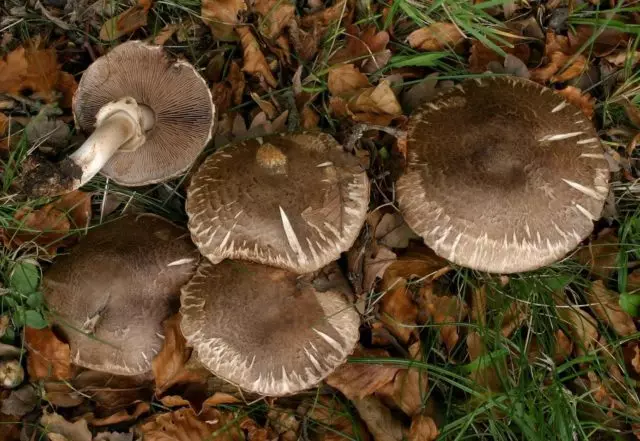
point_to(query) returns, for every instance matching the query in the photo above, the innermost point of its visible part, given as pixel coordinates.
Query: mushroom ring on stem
(150, 117)
(110, 295)
(503, 175)
(293, 201)
(268, 330)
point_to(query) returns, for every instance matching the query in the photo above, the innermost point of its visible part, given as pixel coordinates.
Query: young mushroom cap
(503, 175)
(148, 116)
(293, 201)
(110, 295)
(266, 330)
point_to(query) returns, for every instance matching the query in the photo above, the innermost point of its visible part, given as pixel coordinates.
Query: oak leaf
(435, 37)
(254, 62)
(346, 80)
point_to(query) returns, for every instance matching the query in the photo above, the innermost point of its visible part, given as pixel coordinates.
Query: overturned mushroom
(293, 201)
(150, 117)
(503, 175)
(110, 295)
(265, 329)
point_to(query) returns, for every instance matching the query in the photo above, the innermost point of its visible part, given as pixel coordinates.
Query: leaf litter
(338, 69)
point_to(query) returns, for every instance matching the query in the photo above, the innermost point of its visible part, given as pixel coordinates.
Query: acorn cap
(110, 295)
(293, 201)
(179, 101)
(265, 329)
(503, 175)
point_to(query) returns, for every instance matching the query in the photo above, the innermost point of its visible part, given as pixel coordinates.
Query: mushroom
(265, 329)
(293, 201)
(150, 116)
(503, 175)
(110, 295)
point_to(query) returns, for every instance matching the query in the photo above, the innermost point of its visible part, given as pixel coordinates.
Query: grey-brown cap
(294, 201)
(265, 329)
(110, 295)
(503, 175)
(177, 95)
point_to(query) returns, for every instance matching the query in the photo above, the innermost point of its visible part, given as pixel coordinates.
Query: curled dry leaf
(274, 16)
(582, 100)
(435, 37)
(48, 356)
(410, 385)
(222, 16)
(129, 21)
(604, 303)
(111, 391)
(358, 380)
(51, 225)
(445, 311)
(33, 68)
(601, 254)
(56, 424)
(375, 265)
(254, 62)
(580, 325)
(375, 105)
(482, 55)
(398, 311)
(122, 416)
(184, 425)
(423, 428)
(346, 80)
(363, 47)
(379, 420)
(326, 16)
(335, 421)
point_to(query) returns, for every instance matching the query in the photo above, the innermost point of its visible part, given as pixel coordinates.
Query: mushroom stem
(358, 130)
(120, 126)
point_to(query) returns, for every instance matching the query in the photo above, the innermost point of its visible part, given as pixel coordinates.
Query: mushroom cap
(175, 92)
(110, 295)
(265, 330)
(503, 175)
(293, 201)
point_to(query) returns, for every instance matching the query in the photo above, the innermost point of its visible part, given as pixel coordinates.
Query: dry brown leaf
(254, 62)
(56, 424)
(632, 111)
(601, 254)
(479, 305)
(445, 311)
(379, 420)
(129, 21)
(48, 357)
(310, 118)
(573, 70)
(358, 380)
(222, 95)
(61, 394)
(35, 69)
(435, 37)
(423, 428)
(398, 312)
(220, 398)
(335, 421)
(236, 79)
(485, 375)
(393, 232)
(165, 34)
(345, 80)
(169, 365)
(326, 16)
(378, 100)
(582, 100)
(122, 416)
(222, 16)
(563, 346)
(185, 425)
(174, 401)
(604, 304)
(515, 316)
(482, 55)
(274, 16)
(112, 391)
(51, 225)
(581, 326)
(20, 402)
(363, 47)
(410, 385)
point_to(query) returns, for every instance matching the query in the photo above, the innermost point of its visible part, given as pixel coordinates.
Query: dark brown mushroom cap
(177, 94)
(293, 201)
(264, 329)
(110, 295)
(503, 175)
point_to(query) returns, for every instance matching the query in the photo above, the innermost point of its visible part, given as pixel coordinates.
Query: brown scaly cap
(111, 293)
(178, 96)
(265, 329)
(503, 175)
(293, 201)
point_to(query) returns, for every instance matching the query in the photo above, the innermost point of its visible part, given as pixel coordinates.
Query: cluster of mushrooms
(503, 175)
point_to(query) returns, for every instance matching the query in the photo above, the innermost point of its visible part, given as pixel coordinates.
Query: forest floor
(445, 353)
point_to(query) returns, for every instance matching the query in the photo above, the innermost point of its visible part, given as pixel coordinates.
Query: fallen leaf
(20, 402)
(580, 325)
(479, 305)
(445, 311)
(358, 380)
(345, 80)
(50, 226)
(126, 23)
(514, 317)
(219, 398)
(222, 96)
(113, 436)
(393, 232)
(435, 37)
(185, 425)
(254, 62)
(326, 16)
(222, 16)
(362, 47)
(576, 68)
(236, 80)
(62, 394)
(482, 55)
(375, 265)
(485, 373)
(122, 416)
(305, 42)
(375, 105)
(563, 346)
(601, 254)
(423, 428)
(112, 391)
(379, 420)
(31, 68)
(579, 99)
(48, 357)
(56, 424)
(398, 312)
(309, 118)
(604, 304)
(274, 16)
(165, 34)
(334, 421)
(169, 365)
(410, 386)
